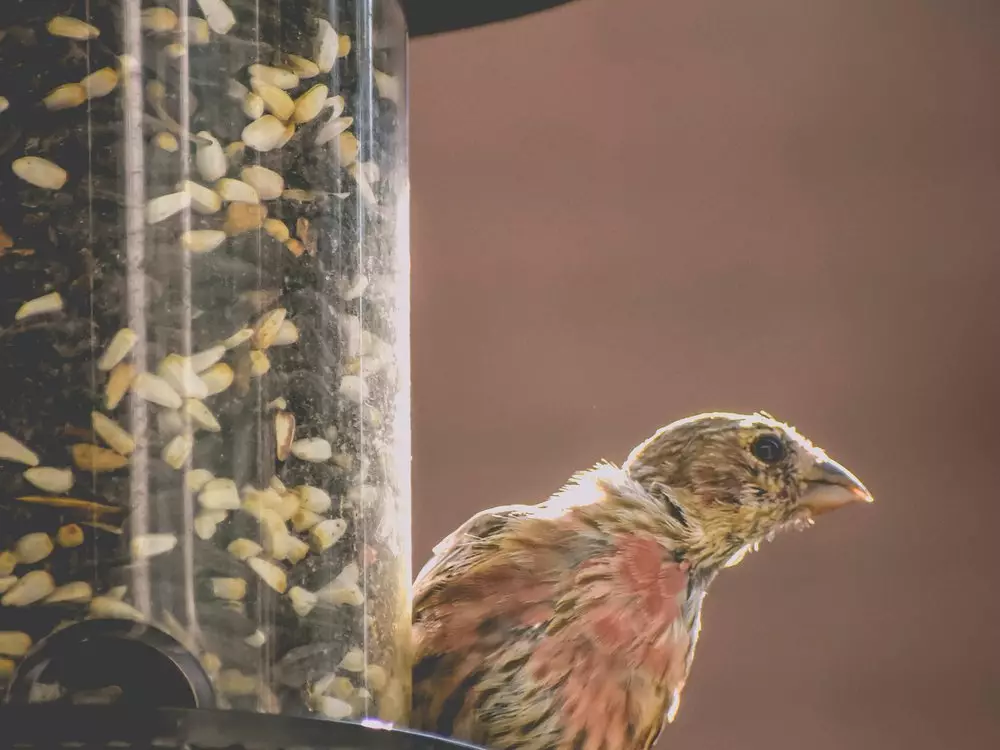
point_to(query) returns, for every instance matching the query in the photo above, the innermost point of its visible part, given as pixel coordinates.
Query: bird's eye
(768, 448)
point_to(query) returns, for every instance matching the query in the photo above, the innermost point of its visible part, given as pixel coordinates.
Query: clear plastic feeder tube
(204, 343)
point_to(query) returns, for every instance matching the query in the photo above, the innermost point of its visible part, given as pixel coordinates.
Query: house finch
(572, 624)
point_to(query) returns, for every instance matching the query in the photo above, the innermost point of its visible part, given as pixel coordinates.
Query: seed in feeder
(284, 430)
(277, 485)
(217, 378)
(352, 387)
(119, 347)
(14, 643)
(93, 458)
(257, 639)
(13, 450)
(267, 327)
(303, 520)
(275, 99)
(314, 450)
(100, 83)
(56, 481)
(266, 182)
(151, 545)
(30, 588)
(303, 601)
(162, 208)
(201, 361)
(244, 217)
(347, 148)
(376, 677)
(279, 403)
(210, 158)
(32, 548)
(296, 550)
(327, 533)
(218, 15)
(196, 479)
(219, 494)
(166, 141)
(202, 240)
(75, 592)
(287, 334)
(283, 79)
(159, 20)
(303, 67)
(354, 660)
(364, 187)
(296, 194)
(176, 452)
(203, 200)
(109, 608)
(201, 415)
(4, 104)
(169, 422)
(325, 46)
(336, 105)
(112, 433)
(259, 364)
(311, 103)
(388, 87)
(333, 708)
(244, 549)
(175, 51)
(48, 303)
(236, 191)
(313, 498)
(8, 561)
(198, 31)
(240, 337)
(156, 390)
(180, 375)
(7, 668)
(270, 573)
(205, 526)
(264, 134)
(69, 535)
(71, 28)
(350, 575)
(253, 106)
(231, 589)
(296, 248)
(121, 378)
(66, 96)
(7, 583)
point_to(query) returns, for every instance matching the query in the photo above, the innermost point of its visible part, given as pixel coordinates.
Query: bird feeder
(204, 369)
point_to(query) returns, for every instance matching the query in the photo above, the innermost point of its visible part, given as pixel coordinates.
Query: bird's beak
(830, 486)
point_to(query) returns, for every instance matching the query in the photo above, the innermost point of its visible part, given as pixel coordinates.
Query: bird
(572, 624)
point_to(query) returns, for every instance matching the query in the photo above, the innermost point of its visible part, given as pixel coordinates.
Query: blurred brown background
(628, 211)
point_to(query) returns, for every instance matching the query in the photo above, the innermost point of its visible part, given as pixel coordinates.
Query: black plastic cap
(427, 17)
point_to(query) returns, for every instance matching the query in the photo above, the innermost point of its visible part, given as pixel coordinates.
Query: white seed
(325, 46)
(343, 46)
(112, 433)
(237, 339)
(270, 573)
(218, 378)
(279, 403)
(257, 639)
(350, 575)
(69, 535)
(77, 591)
(244, 549)
(352, 387)
(310, 104)
(32, 548)
(275, 99)
(283, 79)
(313, 498)
(388, 87)
(266, 182)
(119, 347)
(347, 148)
(169, 422)
(100, 83)
(314, 450)
(284, 430)
(109, 608)
(303, 520)
(354, 660)
(196, 479)
(296, 550)
(162, 208)
(253, 106)
(202, 240)
(336, 105)
(151, 545)
(303, 601)
(333, 708)
(338, 592)
(66, 96)
(205, 526)
(231, 589)
(95, 459)
(286, 135)
(376, 677)
(166, 141)
(264, 134)
(236, 191)
(327, 533)
(303, 68)
(4, 104)
(119, 381)
(362, 496)
(7, 583)
(198, 31)
(117, 592)
(159, 20)
(48, 303)
(56, 481)
(296, 194)
(201, 415)
(30, 588)
(71, 28)
(202, 360)
(210, 158)
(156, 390)
(287, 334)
(277, 229)
(14, 643)
(220, 494)
(176, 452)
(203, 200)
(220, 18)
(181, 376)
(259, 364)
(8, 561)
(15, 451)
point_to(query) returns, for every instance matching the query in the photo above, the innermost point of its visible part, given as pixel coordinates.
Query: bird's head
(733, 480)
